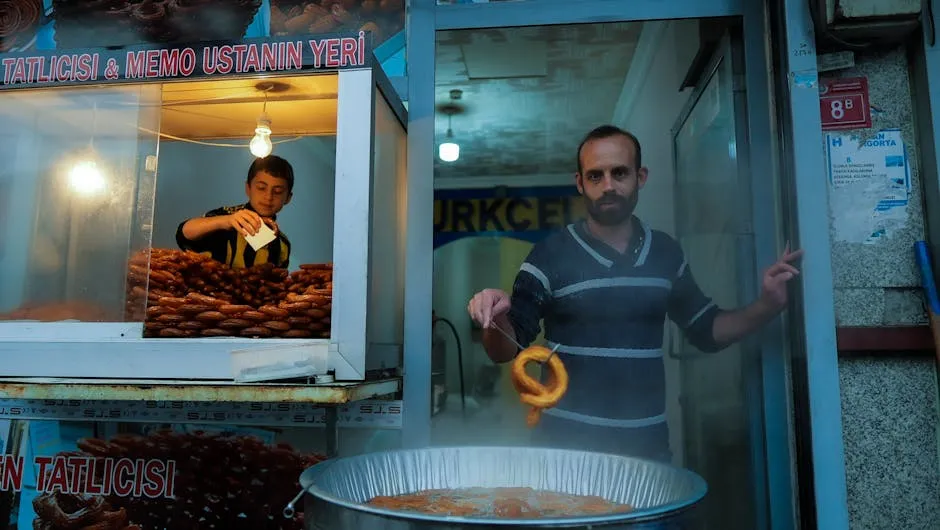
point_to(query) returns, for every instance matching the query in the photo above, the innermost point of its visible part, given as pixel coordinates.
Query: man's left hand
(774, 283)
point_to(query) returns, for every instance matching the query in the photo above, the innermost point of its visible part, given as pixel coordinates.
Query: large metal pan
(664, 496)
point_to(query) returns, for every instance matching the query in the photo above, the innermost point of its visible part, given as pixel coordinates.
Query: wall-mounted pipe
(922, 255)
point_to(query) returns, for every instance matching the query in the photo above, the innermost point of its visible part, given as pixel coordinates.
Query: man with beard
(604, 287)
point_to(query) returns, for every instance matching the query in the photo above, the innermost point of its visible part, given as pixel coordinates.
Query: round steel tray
(338, 489)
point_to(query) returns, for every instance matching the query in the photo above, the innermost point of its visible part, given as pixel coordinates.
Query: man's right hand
(246, 222)
(487, 305)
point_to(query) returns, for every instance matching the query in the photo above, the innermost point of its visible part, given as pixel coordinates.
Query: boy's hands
(245, 221)
(271, 224)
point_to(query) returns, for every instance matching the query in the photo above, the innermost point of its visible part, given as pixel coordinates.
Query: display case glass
(132, 197)
(209, 167)
(387, 297)
(78, 199)
(124, 207)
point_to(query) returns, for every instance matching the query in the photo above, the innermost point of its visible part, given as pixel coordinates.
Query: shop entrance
(683, 91)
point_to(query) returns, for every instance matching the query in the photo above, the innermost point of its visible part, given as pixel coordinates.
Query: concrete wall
(889, 403)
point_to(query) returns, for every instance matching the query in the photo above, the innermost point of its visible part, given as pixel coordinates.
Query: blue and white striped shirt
(606, 312)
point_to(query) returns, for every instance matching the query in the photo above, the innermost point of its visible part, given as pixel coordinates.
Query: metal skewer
(514, 341)
(507, 335)
(553, 353)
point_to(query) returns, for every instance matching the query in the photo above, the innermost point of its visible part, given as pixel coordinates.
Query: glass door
(719, 393)
(736, 405)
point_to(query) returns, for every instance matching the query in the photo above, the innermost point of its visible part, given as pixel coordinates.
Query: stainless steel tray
(340, 487)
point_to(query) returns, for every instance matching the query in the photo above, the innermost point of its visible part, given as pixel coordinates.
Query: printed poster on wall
(64, 475)
(36, 25)
(870, 185)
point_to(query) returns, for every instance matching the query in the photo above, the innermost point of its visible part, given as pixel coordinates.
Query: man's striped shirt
(606, 313)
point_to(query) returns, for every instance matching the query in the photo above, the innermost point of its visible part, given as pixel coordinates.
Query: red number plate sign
(843, 103)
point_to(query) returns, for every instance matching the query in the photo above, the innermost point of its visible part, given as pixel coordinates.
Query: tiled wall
(890, 409)
(889, 421)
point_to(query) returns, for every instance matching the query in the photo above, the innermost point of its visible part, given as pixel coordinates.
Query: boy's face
(267, 194)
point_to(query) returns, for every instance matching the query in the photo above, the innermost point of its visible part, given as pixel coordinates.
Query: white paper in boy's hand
(264, 236)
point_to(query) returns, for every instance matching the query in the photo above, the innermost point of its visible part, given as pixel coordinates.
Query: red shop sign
(843, 103)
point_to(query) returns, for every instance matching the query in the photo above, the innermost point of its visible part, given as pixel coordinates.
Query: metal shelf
(194, 391)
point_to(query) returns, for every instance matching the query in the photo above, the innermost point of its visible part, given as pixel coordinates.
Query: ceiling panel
(191, 110)
(525, 119)
(235, 89)
(231, 108)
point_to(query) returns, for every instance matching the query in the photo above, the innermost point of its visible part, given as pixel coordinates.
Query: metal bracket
(332, 432)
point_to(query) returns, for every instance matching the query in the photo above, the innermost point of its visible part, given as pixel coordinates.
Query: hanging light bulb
(261, 145)
(85, 178)
(449, 151)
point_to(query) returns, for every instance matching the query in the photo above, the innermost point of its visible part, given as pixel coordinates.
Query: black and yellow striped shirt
(231, 248)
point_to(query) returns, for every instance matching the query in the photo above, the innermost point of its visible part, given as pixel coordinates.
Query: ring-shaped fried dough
(532, 392)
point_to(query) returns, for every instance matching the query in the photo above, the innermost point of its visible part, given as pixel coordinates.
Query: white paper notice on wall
(870, 184)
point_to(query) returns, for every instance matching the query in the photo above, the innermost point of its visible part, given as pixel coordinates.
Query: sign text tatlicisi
(211, 59)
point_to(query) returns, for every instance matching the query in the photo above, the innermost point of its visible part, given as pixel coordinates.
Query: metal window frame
(353, 202)
(926, 74)
(549, 12)
(425, 18)
(781, 482)
(817, 353)
(419, 234)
